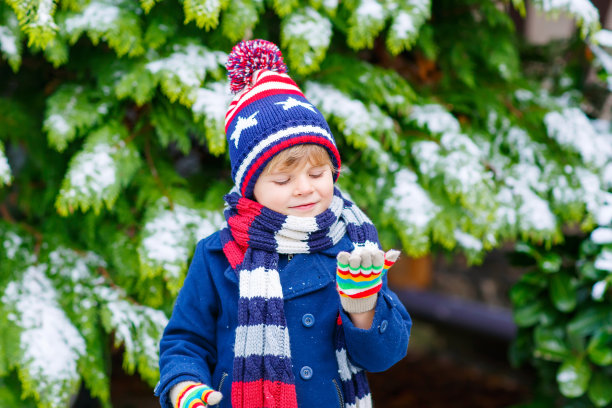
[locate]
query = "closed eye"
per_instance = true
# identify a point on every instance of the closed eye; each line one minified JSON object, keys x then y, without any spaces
{"x":281,"y":182}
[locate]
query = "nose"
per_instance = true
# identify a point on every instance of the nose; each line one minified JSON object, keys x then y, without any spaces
{"x":303,"y":185}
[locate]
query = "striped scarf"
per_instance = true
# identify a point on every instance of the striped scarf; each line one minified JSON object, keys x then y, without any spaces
{"x":252,"y":241}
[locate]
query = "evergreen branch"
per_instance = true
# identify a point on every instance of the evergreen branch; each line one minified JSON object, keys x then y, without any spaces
{"x":155,"y":173}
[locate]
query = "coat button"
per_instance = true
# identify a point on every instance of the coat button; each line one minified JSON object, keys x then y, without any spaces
{"x":383,"y":326}
{"x":308,"y":320}
{"x":306,"y":373}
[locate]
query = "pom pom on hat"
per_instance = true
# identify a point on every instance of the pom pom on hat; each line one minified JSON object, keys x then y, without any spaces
{"x":247,"y":57}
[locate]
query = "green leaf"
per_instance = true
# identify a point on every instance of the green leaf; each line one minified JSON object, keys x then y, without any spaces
{"x":97,"y":174}
{"x":306,"y":36}
{"x":205,"y":13}
{"x":284,"y":7}
{"x":71,"y":111}
{"x":365,"y":23}
{"x":530,"y":313}
{"x":120,"y":27}
{"x":600,"y":389}
{"x":523,"y":292}
{"x":573,"y":377}
{"x":549,"y":343}
{"x":600,"y":348}
{"x":563,"y":292}
{"x":36,"y":19}
{"x":10,"y":45}
{"x":209,"y":109}
{"x":589,"y":320}
{"x":406,"y":23}
{"x":183,"y":71}
{"x":240,"y":18}
{"x":550,"y":262}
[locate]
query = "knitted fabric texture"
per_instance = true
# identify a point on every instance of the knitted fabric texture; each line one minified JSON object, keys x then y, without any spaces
{"x":252,"y":241}
{"x":194,"y":396}
{"x":269,"y":114}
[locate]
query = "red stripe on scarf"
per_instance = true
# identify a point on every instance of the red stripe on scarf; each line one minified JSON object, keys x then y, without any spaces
{"x":321,"y":140}
{"x":263,"y":394}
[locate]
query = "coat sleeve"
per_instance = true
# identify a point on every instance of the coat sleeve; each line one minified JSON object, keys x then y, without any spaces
{"x":188,"y":348}
{"x":386,"y":342}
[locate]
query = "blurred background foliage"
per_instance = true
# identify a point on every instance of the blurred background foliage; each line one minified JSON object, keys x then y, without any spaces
{"x":456,"y":137}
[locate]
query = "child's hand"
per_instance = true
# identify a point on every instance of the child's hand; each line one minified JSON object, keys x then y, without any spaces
{"x":359,"y":276}
{"x":197,"y":395}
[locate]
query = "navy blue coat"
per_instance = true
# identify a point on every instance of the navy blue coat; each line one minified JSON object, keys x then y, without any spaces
{"x":197,"y":344}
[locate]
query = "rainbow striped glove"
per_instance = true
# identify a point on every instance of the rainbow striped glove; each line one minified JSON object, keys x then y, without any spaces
{"x":194,"y":395}
{"x":359,"y":277}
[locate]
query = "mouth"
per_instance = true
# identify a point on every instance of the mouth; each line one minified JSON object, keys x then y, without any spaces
{"x":304,"y":207}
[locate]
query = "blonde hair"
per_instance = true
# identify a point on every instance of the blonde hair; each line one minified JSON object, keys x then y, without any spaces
{"x":295,"y":155}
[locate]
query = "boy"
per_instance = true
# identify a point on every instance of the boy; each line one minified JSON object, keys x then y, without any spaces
{"x":267,"y":316}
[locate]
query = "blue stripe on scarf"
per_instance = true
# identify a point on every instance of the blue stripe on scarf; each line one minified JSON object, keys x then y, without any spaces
{"x":260,"y":310}
{"x":248,"y":368}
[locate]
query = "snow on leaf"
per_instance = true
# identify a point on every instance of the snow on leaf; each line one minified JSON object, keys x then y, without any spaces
{"x":603,"y":38}
{"x":98,"y":172}
{"x":406,"y":23}
{"x":411,"y":205}
{"x":36,"y":18}
{"x":50,"y":343}
{"x":603,"y":261}
{"x":435,"y":118}
{"x":361,"y":125}
{"x":115,"y":21}
{"x":204,"y":12}
{"x":306,"y":36}
{"x":602,"y":236}
{"x":365,"y":23}
{"x":5,"y":170}
{"x":183,"y":72}
{"x":139,"y":328}
{"x":10,"y":39}
{"x":169,"y":236}
{"x":572,"y":129}
{"x":210,"y":106}
{"x":71,"y":111}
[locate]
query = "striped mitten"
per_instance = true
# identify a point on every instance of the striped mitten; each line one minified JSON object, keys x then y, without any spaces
{"x":359,"y":277}
{"x":195,"y":395}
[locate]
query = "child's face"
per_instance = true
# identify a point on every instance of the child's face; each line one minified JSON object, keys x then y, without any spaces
{"x":304,"y":190}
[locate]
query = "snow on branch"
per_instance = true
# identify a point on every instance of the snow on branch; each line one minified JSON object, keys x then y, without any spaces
{"x":572,"y":129}
{"x":169,"y":236}
{"x":5,"y":170}
{"x":411,"y":205}
{"x":50,"y":345}
{"x":183,"y":72}
{"x":10,"y":39}
{"x":115,"y":21}
{"x":138,"y":328}
{"x":366,"y":22}
{"x":36,"y":20}
{"x":305,"y":35}
{"x":406,"y":22}
{"x":209,"y":107}
{"x":99,"y":171}
{"x":364,"y":126}
{"x":205,"y":13}
{"x":71,"y":111}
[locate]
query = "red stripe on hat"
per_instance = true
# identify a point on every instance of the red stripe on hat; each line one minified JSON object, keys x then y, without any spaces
{"x":320,"y":140}
{"x":263,"y":394}
{"x":259,"y":96}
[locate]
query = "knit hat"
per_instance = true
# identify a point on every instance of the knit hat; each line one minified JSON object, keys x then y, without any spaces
{"x":268,"y":114}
